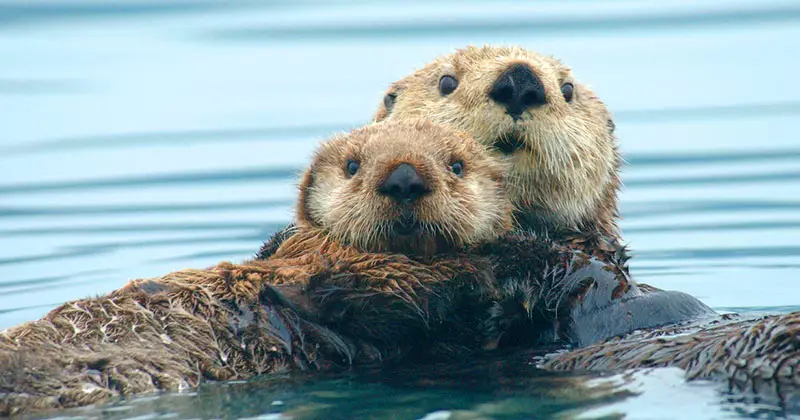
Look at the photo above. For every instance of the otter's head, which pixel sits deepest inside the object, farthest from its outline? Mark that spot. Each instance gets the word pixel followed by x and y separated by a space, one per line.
pixel 530 109
pixel 410 187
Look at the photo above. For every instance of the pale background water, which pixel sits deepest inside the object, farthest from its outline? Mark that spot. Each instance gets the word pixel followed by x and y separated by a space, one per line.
pixel 138 138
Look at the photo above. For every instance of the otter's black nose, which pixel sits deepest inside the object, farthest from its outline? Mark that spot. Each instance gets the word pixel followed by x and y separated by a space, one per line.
pixel 404 184
pixel 518 89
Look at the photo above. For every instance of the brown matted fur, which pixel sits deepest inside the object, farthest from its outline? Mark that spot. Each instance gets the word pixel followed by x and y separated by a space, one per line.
pixel 232 322
pixel 761 355
pixel 564 175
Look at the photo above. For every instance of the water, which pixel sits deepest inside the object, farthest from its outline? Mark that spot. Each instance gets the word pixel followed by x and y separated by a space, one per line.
pixel 142 137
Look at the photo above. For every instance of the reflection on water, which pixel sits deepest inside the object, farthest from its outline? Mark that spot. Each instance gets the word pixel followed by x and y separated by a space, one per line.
pixel 496 389
pixel 142 137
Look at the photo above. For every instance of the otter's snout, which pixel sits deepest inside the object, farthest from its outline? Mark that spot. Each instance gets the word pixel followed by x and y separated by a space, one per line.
pixel 404 184
pixel 518 89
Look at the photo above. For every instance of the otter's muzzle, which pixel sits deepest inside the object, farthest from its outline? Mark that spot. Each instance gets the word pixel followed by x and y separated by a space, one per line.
pixel 518 89
pixel 404 184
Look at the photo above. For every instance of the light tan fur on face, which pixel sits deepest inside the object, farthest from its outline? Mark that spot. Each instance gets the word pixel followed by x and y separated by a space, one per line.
pixel 566 175
pixel 457 211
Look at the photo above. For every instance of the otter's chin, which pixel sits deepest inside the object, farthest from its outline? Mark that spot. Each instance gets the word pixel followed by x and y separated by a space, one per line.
pixel 406 226
pixel 423 245
pixel 510 143
pixel 411 237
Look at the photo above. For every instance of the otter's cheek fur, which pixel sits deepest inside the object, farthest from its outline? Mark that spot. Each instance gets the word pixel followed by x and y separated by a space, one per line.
pixel 560 172
pixel 568 186
pixel 355 223
pixel 487 224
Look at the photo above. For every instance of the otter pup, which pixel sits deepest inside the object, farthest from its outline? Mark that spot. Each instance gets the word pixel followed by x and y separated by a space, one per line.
pixel 413 188
pixel 332 295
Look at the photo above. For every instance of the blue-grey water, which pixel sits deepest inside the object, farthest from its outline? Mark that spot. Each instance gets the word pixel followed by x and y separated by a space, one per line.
pixel 141 137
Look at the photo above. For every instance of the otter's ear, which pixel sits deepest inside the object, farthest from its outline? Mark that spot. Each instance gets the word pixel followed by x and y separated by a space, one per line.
pixel 303 214
pixel 611 125
pixel 389 99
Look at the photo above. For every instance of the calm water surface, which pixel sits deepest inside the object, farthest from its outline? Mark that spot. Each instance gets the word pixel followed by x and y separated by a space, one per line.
pixel 138 138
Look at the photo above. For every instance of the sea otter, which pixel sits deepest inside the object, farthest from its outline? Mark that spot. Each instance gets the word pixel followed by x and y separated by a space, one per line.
pixel 337 292
pixel 529 108
pixel 559 137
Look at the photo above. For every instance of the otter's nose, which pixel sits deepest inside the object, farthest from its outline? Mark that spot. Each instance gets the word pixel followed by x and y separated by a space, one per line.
pixel 404 184
pixel 518 89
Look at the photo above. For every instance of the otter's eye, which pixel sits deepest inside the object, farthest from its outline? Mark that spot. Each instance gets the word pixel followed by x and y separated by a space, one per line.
pixel 389 100
pixel 457 168
pixel 567 90
pixel 352 167
pixel 447 84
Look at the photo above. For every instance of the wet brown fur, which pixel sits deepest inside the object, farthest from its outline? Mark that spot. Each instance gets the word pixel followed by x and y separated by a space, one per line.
pixel 230 322
pixel 754 355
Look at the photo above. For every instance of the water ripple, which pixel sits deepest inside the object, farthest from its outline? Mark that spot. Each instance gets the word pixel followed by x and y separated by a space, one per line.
pixel 211 255
pixel 764 309
pixel 703 113
pixel 678 227
pixel 48 284
pixel 711 156
pixel 49 279
pixel 145 228
pixel 175 138
pixel 54 255
pixel 41 87
pixel 5 311
pixel 99 247
pixel 722 253
pixel 562 26
pixel 660 208
pixel 786 175
pixel 203 178
pixel 31 13
pixel 130 209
